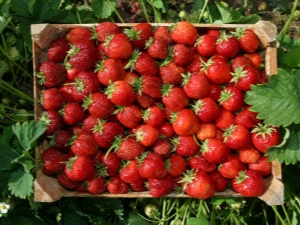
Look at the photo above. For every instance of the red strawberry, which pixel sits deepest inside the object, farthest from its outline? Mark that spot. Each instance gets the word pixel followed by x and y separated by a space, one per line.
pixel 232 98
pixel 105 133
pixel 152 166
pixel 120 93
pixel 206 109
pixel 247 118
pixel 182 54
pixel 185 146
pixel 118 47
pixel 162 147
pixel 138 187
pixel 196 65
pixel 163 32
pixel 130 173
pixel 145 101
pixel 109 70
pixel 198 162
pixel 248 183
pixel 263 166
pixel 214 150
pixel 58 50
pixel 227 45
pixel 139 34
pixel 157 48
pixel 166 129
pixel 96 185
pixel 161 187
pixel 80 168
pixel 244 77
pixel 240 61
pixel 184 32
pixel 213 32
pixel 85 83
pixel 73 113
pixel 53 121
pixel 225 119
pixel 185 122
pixel 237 137
pixel 101 52
pixel 98 105
pixel 170 73
pixel 265 136
pixel 60 140
pixel 206 45
pixel 174 98
pixel 249 155
pixel 198 185
pixel 67 90
pixel 248 40
pixel 196 85
pixel 215 92
pixel 53 161
pixel 231 167
pixel 111 162
pixel 131 77
pixel 149 85
pixel 84 144
pixel 71 74
pixel 147 135
pixel 116 186
pixel 128 148
pixel 51 74
pixel 176 165
pixel 80 35
pixel 219 181
pixel 129 116
pixel 255 59
pixel 65 182
pixel 89 123
pixel 154 116
pixel 105 29
pixel 206 131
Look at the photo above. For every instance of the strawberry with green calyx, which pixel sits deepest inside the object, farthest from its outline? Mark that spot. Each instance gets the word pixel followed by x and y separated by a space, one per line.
pixel 96 185
pixel 231 166
pixel 182 54
pixel 248 40
pixel 129 173
pixel 129 116
pixel 120 93
pixel 248 183
pixel 161 187
pixel 139 34
pixel 198 162
pixel 263 166
pixel 170 73
pixel 185 122
pixel 149 85
pixel 197 184
pixel 154 116
pixel 84 144
pixel 185 145
pixel 232 98
pixel 227 45
pixel 58 50
pixel 118 47
pixel 109 70
pixel 237 137
pixel 265 136
pixel 73 113
pixel 115 185
pixel 163 32
pixel 247 118
pixel 157 48
pixel 174 98
pixel 89 123
pixel 184 32
pixel 53 121
pixel 220 182
pixel 60 140
pixel 196 65
pixel 206 45
pixel 214 150
pixel 152 166
pixel 175 165
pixel 240 61
pixel 53 161
pixel 104 29
pixel 244 77
pixel 127 148
pixel 108 164
pixel 65 182
pixel 147 135
pixel 255 59
pixel 166 130
pixel 79 168
pixel 206 110
pixel 225 119
pixel 51 74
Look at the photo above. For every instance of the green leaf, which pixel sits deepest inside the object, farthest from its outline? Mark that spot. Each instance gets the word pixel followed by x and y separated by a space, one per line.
pixel 228 15
pixel 7 156
pixel 159 5
pixel 41 10
pixel 4 178
pixel 21 8
pixel 278 101
pixel 251 19
pixel 135 219
pixel 21 183
pixel 74 219
pixel 2 23
pixel 7 135
pixel 3 68
pixel 289 151
pixel 102 9
pixel 202 220
pixel 197 5
pixel 28 132
pixel 292 58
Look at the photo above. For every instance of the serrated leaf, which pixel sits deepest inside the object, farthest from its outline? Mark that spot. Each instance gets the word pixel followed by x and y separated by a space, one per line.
pixel 21 183
pixel 202 220
pixel 21 8
pixel 7 156
pixel 228 15
pixel 278 101
pixel 102 9
pixel 41 10
pixel 250 19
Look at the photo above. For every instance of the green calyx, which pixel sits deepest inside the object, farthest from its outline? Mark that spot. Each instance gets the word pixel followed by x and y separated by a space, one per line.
pixel 173 116
pixel 223 37
pixel 70 162
pixel 44 118
pixel 137 85
pixel 139 135
pixel 166 89
pixel 238 73
pixel 263 130
pixel 185 78
pixel 108 40
pixel 225 96
pixel 110 89
pixel 99 66
pixel 101 170
pixel 146 114
pixel 99 127
pixel 188 177
pixel 134 57
pixel 241 177
pixel 239 32
pixel 88 100
pixel 132 34
pixel 196 107
pixel 79 84
pixel 199 39
pixel 42 78
pixel 228 131
pixel 149 42
pixel 204 146
pixel 115 145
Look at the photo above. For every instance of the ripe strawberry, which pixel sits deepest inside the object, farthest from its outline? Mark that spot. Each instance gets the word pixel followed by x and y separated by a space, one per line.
pixel 247 118
pixel 195 85
pixel 120 93
pixel 176 165
pixel 118 47
pixel 161 187
pixel 129 116
pixel 53 161
pixel 138 187
pixel 196 65
pixel 157 48
pixel 248 40
pixel 198 184
pixel 53 121
pixel 58 50
pixel 206 110
pixel 213 32
pixel 85 83
pixel 237 137
pixel 214 150
pixel 227 45
pixel 185 146
pixel 65 182
pixel 170 73
pixel 96 185
pixel 265 136
pixel 128 148
pixel 105 133
pixel 240 61
pixel 73 113
pixel 80 35
pixel 130 173
pixel 51 74
pixel 206 45
pixel 79 168
pixel 174 98
pixel 110 161
pixel 60 140
pixel 263 166
pixel 184 32
pixel 139 34
pixel 152 166
pixel 84 145
pixel 162 147
pixel 215 92
pixel 198 162
pixel 248 183
pixel 231 166
pixel 225 119
pixel 149 85
pixel 249 155
pixel 116 186
pixel 147 135
pixel 101 52
pixel 255 58
pixel 166 130
pixel 98 105
pixel 154 116
pixel 131 77
pixel 182 54
pixel 142 63
pixel 82 56
pixel 71 74
pixel 206 131
pixel 105 29
pixel 109 70
pixel 163 32
pixel 145 101
pixel 220 182
pixel 244 77
pixel 66 89
pixel 232 98
pixel 89 123
pixel 185 122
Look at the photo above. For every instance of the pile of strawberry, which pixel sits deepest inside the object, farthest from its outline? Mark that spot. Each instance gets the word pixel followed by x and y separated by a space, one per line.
pixel 154 109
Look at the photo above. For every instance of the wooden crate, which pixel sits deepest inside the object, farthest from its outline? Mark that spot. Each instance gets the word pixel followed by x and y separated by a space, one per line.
pixel 47 189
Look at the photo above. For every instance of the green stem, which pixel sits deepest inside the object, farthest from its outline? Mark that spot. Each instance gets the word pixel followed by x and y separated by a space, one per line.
pixel 265 215
pixel 200 209
pixel 142 4
pixel 77 15
pixel 202 11
pixel 251 207
pixel 116 11
pixel 278 216
pixel 291 18
pixel 13 90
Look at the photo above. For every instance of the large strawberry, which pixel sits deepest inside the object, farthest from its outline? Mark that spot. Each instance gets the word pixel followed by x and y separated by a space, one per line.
pixel 225 119
pixel 139 34
pixel 154 116
pixel 130 173
pixel 198 162
pixel 182 54
pixel 231 166
pixel 53 121
pixel 206 110
pixel 149 85
pixel 237 137
pixel 184 32
pixel 248 40
pixel 73 113
pixel 247 118
pixel 206 45
pixel 84 144
pixel 129 116
pixel 53 161
pixel 170 73
pixel 152 166
pixel 174 98
pixel 120 93
pixel 244 77
pixel 185 122
pixel 118 46
pixel 58 50
pixel 214 150
pixel 161 187
pixel 176 165
pixel 157 48
pixel 79 168
pixel 128 148
pixel 105 29
pixel 80 35
pixel 227 45
pixel 263 166
pixel 109 70
pixel 51 74
pixel 232 98
pixel 185 145
pixel 163 32
pixel 115 185
pixel 147 135
pixel 111 163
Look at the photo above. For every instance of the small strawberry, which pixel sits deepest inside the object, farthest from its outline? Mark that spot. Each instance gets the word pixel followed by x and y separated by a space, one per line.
pixel 184 32
pixel 232 98
pixel 244 77
pixel 248 183
pixel 215 92
pixel 220 182
pixel 149 85
pixel 130 173
pixel 240 61
pixel 66 89
pixel 80 35
pixel 214 150
pixel 131 77
pixel 249 155
pixel 139 34
pixel 248 40
pixel 105 29
pixel 166 130
pixel 51 74
pixel 96 185
pixel 154 116
pixel 263 166
pixel 120 93
pixel 265 136
pixel 89 123
pixel 79 168
pixel 161 187
pixel 116 186
pixel 65 182
pixel 101 52
pixel 237 137
pixel 206 45
pixel 84 145
pixel 196 65
pixel 198 162
pixel 214 33
pixel 162 147
pixel 231 167
pixel 118 46
pixel 170 73
pixel 53 161
pixel 185 146
pixel 147 135
pixel 73 113
pixel 71 74
pixel 58 50
pixel 225 119
pixel 128 148
pixel 145 101
pixel 174 98
pixel 163 32
pixel 152 166
pixel 227 45
pixel 157 48
pixel 185 122
pixel 247 118
pixel 176 165
pixel 111 162
pixel 109 70
pixel 53 121
pixel 206 110
pixel 255 58
pixel 129 116
pixel 182 55
pixel 206 131
pixel 60 140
